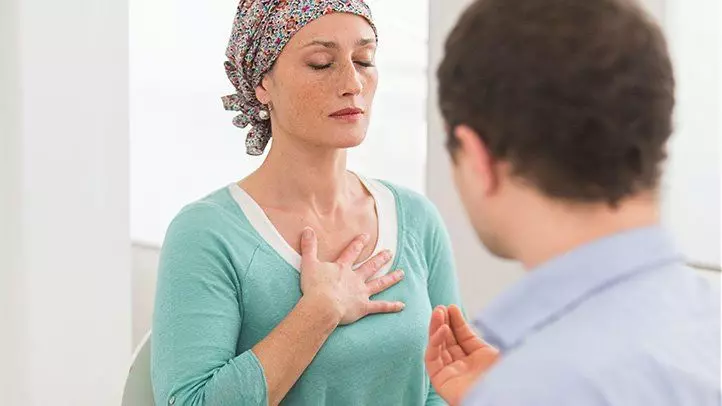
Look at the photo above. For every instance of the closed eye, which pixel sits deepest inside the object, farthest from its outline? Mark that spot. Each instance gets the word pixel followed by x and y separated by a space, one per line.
pixel 365 64
pixel 319 67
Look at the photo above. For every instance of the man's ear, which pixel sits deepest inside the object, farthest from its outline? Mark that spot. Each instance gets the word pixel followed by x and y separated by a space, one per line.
pixel 475 157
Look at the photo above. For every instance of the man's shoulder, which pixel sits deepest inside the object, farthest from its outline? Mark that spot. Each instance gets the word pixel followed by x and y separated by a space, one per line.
pixel 606 351
pixel 521 381
pixel 623 378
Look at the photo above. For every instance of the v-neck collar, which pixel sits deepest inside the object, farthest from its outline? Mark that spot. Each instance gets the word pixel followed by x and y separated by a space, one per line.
pixel 387 218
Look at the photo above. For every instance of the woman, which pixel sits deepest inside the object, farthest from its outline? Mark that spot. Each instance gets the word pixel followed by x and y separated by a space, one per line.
pixel 265 295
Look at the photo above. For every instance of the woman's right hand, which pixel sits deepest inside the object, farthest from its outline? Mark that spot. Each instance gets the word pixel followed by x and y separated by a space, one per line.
pixel 345 290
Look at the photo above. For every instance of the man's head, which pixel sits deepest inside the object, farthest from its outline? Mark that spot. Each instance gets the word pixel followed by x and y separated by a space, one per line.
pixel 561 102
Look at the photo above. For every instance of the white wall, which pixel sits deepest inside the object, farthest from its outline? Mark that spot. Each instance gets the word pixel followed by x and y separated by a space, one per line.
pixel 183 144
pixel 11 368
pixel 692 184
pixel 144 259
pixel 66 274
pixel 692 200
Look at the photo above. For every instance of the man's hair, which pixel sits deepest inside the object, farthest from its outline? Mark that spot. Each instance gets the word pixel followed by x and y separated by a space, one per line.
pixel 577 95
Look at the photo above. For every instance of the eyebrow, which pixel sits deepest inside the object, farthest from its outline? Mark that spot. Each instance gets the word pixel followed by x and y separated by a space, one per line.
pixel 333 45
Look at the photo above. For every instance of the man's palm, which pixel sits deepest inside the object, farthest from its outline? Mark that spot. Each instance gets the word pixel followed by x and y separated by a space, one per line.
pixel 455 356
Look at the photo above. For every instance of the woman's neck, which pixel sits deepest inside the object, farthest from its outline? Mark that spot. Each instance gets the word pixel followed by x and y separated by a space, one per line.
pixel 294 175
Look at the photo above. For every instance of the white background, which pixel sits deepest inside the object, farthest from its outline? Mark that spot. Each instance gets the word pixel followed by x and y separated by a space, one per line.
pixel 65 298
pixel 692 199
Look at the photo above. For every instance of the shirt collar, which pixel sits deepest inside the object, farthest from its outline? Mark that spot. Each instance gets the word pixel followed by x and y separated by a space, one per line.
pixel 551 289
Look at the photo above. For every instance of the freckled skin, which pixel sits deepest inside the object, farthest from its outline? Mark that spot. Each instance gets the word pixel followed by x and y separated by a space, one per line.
pixel 302 97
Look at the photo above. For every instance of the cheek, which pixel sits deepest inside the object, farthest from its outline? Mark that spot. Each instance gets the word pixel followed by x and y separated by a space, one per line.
pixel 371 82
pixel 468 184
pixel 302 98
pixel 460 184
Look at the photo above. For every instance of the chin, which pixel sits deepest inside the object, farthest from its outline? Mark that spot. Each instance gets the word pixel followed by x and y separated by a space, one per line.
pixel 348 139
pixel 496 247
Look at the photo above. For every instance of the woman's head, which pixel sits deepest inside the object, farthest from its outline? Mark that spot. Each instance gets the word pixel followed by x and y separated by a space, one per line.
pixel 308 62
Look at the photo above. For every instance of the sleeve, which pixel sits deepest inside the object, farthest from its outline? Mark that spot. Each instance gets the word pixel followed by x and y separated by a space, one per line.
pixel 197 320
pixel 443 285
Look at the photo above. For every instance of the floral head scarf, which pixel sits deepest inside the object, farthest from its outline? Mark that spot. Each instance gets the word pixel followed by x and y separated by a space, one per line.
pixel 260 31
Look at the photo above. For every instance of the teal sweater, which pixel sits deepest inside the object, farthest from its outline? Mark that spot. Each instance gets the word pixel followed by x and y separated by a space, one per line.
pixel 221 289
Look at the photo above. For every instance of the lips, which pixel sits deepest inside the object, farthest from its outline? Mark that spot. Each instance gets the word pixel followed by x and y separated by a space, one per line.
pixel 348 112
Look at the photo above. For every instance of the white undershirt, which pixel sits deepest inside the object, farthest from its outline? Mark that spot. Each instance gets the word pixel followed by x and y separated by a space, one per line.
pixel 385 211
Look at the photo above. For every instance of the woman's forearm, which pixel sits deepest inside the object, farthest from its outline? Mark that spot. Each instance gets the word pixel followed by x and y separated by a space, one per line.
pixel 290 347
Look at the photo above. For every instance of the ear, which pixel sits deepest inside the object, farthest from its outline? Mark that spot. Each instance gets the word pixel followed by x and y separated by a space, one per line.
pixel 474 157
pixel 262 91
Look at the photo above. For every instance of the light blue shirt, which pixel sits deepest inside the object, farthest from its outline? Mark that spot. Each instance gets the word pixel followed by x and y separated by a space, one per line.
pixel 620 321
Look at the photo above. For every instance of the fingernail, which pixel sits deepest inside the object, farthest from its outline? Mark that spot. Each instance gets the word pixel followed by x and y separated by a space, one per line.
pixel 307 232
pixel 401 273
pixel 402 306
pixel 365 238
pixel 388 255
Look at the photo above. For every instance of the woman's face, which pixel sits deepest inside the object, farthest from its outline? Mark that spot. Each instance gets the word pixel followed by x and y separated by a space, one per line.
pixel 323 83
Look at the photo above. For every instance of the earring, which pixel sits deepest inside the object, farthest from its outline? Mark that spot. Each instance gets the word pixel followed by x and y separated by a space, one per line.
pixel 263 114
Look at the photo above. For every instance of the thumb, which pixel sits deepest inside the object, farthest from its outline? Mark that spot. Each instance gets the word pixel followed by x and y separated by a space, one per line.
pixel 309 247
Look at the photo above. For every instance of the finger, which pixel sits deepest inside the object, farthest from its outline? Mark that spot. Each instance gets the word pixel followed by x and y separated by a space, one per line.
pixel 309 246
pixel 437 320
pixel 443 333
pixel 376 307
pixel 352 251
pixel 464 335
pixel 445 355
pixel 439 337
pixel 379 285
pixel 433 357
pixel 441 317
pixel 453 347
pixel 370 267
pixel 434 362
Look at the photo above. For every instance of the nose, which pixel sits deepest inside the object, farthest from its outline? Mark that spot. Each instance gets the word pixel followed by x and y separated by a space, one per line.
pixel 351 83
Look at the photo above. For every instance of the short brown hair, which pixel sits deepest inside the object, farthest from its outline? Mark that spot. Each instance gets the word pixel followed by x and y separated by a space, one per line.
pixel 576 94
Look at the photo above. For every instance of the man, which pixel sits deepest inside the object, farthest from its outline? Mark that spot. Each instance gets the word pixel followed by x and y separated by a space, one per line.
pixel 558 116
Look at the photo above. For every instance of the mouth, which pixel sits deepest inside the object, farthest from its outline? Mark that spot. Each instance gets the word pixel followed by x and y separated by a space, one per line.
pixel 348 114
